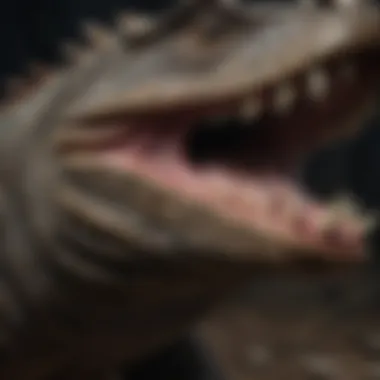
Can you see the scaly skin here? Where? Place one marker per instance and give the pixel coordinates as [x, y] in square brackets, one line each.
[104, 263]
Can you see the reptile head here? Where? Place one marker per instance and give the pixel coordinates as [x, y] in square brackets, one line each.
[203, 122]
[156, 163]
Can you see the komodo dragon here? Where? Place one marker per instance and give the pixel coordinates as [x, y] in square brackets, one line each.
[157, 173]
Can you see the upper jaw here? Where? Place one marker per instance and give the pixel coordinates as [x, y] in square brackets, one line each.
[189, 69]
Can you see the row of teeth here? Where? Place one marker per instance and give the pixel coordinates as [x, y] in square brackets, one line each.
[285, 96]
[287, 199]
[346, 206]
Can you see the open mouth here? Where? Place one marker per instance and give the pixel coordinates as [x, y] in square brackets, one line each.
[232, 146]
[238, 159]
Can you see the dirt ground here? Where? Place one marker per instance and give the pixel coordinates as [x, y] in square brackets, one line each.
[299, 331]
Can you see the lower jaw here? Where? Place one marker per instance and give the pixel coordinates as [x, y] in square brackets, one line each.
[267, 204]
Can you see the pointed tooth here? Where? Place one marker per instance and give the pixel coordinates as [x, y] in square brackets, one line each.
[284, 98]
[97, 34]
[75, 53]
[345, 204]
[331, 216]
[250, 109]
[370, 222]
[346, 207]
[343, 209]
[347, 3]
[318, 84]
[134, 26]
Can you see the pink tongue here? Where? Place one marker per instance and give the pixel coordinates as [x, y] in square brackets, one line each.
[269, 204]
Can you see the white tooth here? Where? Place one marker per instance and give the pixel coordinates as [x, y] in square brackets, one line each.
[370, 222]
[347, 3]
[345, 204]
[135, 25]
[97, 35]
[250, 109]
[284, 98]
[317, 84]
